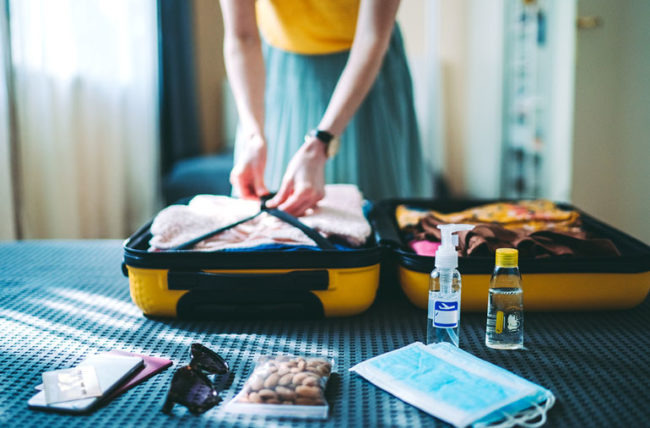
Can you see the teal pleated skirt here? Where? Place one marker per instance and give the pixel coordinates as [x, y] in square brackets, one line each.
[380, 148]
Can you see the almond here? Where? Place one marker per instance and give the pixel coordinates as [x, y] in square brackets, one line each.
[256, 383]
[310, 381]
[285, 393]
[298, 378]
[267, 394]
[308, 391]
[286, 379]
[302, 364]
[271, 381]
[254, 397]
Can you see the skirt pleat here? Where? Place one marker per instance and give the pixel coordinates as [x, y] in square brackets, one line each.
[380, 148]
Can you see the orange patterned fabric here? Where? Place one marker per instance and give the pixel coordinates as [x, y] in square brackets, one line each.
[531, 216]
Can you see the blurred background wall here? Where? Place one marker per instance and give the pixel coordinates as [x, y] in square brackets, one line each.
[611, 146]
[210, 72]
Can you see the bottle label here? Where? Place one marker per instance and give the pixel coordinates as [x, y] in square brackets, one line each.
[444, 312]
[498, 327]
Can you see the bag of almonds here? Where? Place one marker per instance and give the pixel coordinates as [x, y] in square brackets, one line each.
[285, 386]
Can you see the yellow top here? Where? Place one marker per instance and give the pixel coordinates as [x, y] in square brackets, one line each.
[308, 26]
[507, 257]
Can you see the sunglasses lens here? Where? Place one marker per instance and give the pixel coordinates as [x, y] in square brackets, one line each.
[208, 360]
[192, 391]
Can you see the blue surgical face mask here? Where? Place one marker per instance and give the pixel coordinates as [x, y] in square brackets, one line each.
[456, 386]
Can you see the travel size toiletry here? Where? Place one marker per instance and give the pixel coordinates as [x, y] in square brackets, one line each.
[444, 289]
[505, 317]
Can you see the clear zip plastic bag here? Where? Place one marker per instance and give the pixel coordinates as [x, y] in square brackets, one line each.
[285, 385]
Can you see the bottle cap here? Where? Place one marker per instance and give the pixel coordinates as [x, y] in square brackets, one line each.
[446, 255]
[507, 257]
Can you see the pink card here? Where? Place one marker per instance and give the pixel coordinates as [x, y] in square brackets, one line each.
[152, 366]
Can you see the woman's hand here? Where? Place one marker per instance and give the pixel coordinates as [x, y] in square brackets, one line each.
[247, 176]
[303, 184]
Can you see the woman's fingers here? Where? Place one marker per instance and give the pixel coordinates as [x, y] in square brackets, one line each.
[295, 205]
[239, 186]
[285, 190]
[303, 184]
[247, 176]
[301, 200]
[246, 191]
[260, 187]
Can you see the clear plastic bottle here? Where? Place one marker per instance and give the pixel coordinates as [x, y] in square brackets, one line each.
[505, 312]
[444, 307]
[443, 321]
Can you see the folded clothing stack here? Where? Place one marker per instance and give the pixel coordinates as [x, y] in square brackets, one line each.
[338, 215]
[529, 216]
[536, 228]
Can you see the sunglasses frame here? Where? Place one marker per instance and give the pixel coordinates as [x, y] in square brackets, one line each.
[204, 362]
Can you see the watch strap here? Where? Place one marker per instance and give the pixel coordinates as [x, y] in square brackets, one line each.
[324, 136]
[330, 141]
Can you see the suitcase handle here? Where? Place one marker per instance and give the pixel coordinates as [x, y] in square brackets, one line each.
[307, 280]
[246, 305]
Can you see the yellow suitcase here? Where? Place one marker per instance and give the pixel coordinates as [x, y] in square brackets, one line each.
[250, 284]
[553, 284]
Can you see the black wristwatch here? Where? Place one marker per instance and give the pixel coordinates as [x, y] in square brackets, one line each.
[331, 141]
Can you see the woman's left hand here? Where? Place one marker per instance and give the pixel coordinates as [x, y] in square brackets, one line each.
[303, 184]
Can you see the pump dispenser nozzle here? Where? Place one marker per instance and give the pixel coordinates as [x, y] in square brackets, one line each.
[446, 256]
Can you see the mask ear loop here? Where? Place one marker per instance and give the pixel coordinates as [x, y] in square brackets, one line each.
[538, 411]
[523, 417]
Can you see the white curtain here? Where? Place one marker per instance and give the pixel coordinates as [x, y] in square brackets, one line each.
[7, 223]
[86, 85]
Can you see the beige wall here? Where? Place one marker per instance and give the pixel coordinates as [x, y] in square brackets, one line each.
[210, 71]
[454, 29]
[412, 19]
[471, 59]
[611, 161]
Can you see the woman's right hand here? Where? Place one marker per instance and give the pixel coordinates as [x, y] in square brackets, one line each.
[247, 176]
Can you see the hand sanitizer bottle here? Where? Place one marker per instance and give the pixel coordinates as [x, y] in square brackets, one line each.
[505, 312]
[444, 289]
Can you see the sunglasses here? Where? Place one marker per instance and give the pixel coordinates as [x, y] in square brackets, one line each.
[191, 387]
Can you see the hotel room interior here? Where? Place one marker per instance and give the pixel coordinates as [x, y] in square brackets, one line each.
[112, 110]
